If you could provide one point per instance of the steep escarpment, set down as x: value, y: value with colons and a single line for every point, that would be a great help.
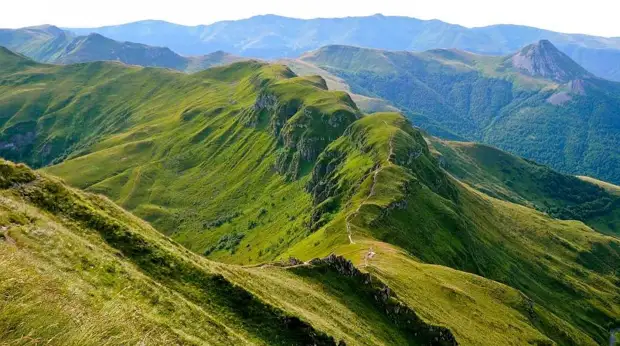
x: 382, y: 150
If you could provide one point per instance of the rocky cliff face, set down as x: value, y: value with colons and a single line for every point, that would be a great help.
x: 543, y: 59
x: 303, y: 129
x: 383, y: 297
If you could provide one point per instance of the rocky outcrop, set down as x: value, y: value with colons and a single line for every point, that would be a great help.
x: 266, y: 101
x: 288, y: 164
x: 326, y: 189
x: 559, y: 99
x: 310, y: 130
x: 577, y: 87
x: 573, y: 87
x: 341, y: 265
x: 384, y: 299
x: 302, y: 129
x: 321, y: 186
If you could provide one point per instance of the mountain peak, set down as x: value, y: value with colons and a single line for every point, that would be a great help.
x: 543, y: 59
x: 96, y: 36
x: 47, y: 28
x: 98, y: 40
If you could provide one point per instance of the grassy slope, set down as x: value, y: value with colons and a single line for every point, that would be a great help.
x: 482, y: 98
x: 79, y: 274
x: 611, y: 188
x: 102, y: 275
x: 222, y: 160
x: 514, y: 179
x: 80, y: 270
x: 111, y: 275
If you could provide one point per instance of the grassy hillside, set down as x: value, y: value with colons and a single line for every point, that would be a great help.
x: 537, y: 103
x: 102, y: 275
x: 88, y: 263
x: 80, y: 270
x: 50, y: 44
x: 202, y: 158
x: 517, y: 180
x: 250, y: 163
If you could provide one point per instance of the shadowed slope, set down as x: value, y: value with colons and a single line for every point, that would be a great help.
x: 517, y: 180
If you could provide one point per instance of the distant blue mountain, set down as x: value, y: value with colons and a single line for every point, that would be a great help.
x: 271, y: 36
x: 50, y: 44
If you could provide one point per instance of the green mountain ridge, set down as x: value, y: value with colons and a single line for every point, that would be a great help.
x: 49, y: 44
x: 567, y: 122
x: 249, y: 163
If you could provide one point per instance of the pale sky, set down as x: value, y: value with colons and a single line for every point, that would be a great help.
x: 595, y: 17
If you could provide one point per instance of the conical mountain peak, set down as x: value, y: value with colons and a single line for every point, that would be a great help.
x: 543, y: 59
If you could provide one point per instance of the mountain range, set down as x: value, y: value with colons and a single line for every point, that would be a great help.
x: 53, y: 45
x: 350, y: 226
x: 270, y: 37
x: 537, y: 103
x: 564, y: 113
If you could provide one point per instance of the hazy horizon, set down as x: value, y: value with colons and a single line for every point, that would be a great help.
x: 596, y: 19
